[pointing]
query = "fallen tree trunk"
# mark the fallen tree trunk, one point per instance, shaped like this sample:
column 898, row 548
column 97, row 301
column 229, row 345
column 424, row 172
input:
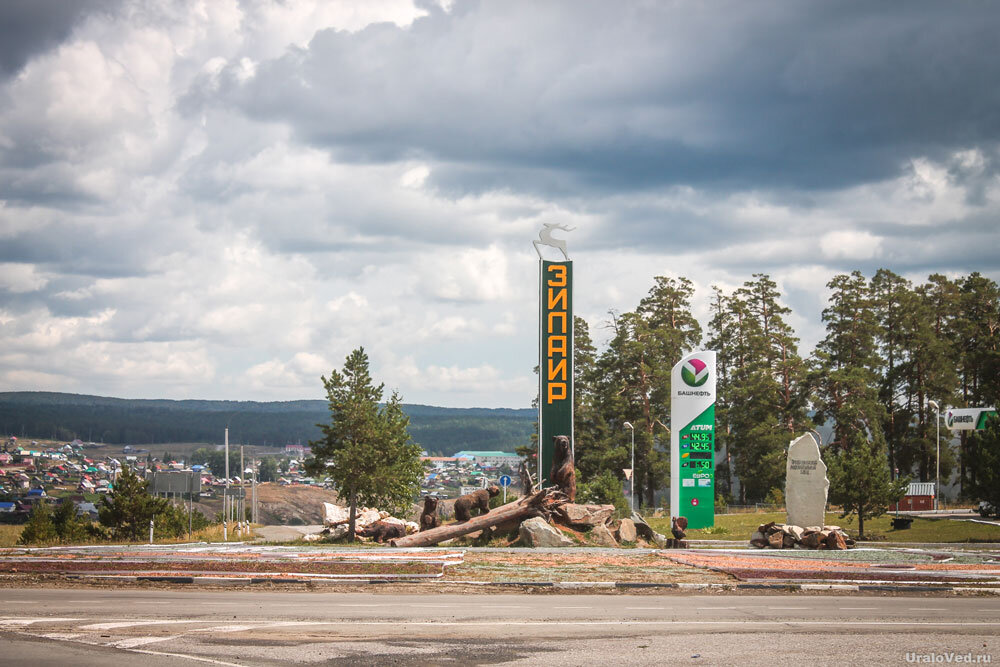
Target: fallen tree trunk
column 541, row 503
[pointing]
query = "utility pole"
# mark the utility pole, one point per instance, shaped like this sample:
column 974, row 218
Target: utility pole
column 243, row 493
column 937, row 474
column 225, row 498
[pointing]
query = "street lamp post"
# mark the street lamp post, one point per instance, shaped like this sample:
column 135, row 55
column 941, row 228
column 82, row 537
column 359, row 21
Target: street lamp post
column 631, row 477
column 937, row 474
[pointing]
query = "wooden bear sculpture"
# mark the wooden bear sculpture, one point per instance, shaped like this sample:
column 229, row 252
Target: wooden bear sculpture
column 429, row 518
column 383, row 531
column 481, row 499
column 678, row 526
column 563, row 472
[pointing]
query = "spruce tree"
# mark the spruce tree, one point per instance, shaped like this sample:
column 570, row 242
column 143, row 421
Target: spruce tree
column 366, row 449
column 860, row 481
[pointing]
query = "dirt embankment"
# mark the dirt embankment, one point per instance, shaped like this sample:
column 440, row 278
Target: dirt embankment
column 292, row 505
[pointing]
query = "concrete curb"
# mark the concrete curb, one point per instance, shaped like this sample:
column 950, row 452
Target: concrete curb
column 559, row 585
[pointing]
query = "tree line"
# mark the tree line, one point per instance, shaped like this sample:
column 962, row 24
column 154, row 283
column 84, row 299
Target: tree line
column 60, row 416
column 891, row 346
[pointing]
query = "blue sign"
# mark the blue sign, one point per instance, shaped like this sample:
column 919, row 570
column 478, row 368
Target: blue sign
column 505, row 480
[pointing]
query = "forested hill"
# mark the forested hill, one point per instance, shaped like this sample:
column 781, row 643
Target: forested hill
column 126, row 421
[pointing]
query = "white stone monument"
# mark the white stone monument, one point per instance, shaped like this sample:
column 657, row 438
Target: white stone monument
column 806, row 485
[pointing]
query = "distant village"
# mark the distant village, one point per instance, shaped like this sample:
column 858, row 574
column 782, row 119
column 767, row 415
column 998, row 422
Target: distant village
column 32, row 472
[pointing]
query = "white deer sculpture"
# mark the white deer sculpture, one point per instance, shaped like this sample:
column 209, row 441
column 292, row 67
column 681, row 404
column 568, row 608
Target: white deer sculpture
column 545, row 238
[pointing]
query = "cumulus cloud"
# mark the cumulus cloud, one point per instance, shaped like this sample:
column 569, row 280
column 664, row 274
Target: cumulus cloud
column 221, row 200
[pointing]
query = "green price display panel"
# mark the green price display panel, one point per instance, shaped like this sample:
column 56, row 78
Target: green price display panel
column 697, row 471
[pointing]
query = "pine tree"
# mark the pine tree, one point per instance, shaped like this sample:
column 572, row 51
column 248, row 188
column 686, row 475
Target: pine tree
column 761, row 384
column 596, row 449
column 986, row 485
column 721, row 340
column 891, row 296
column 843, row 374
column 366, row 449
column 634, row 376
column 40, row 528
column 67, row 526
column 846, row 384
column 978, row 344
column 129, row 508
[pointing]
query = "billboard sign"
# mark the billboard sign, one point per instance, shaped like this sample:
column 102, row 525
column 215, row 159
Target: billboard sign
column 173, row 482
column 692, row 439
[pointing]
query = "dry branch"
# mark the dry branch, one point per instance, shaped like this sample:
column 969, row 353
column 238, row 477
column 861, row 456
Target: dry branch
column 541, row 503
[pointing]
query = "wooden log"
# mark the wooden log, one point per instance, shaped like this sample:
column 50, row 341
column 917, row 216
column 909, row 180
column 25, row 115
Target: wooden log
column 541, row 503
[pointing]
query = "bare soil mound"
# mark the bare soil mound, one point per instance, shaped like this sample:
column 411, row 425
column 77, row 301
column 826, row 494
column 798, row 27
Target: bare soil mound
column 293, row 505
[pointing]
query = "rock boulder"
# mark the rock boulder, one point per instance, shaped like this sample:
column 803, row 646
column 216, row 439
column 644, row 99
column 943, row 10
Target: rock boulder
column 586, row 515
column 601, row 536
column 626, row 531
column 537, row 532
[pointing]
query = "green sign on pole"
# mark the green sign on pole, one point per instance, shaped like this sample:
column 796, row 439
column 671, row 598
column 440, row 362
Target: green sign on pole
column 555, row 365
column 692, row 439
column 968, row 419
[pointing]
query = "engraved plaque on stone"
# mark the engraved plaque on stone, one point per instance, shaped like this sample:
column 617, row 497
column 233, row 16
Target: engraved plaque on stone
column 806, row 485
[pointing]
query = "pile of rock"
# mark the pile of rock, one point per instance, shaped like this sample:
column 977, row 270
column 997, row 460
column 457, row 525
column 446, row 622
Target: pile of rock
column 594, row 520
column 336, row 519
column 786, row 536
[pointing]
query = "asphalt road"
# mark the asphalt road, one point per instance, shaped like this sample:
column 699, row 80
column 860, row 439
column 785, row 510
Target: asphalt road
column 99, row 627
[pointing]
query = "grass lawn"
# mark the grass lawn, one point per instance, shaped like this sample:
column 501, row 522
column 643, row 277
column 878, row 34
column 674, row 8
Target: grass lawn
column 9, row 535
column 739, row 527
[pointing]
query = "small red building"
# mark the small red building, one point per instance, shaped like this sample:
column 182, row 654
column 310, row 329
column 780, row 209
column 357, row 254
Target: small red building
column 919, row 498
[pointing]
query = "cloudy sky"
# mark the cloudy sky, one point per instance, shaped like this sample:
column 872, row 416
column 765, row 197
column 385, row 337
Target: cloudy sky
column 220, row 199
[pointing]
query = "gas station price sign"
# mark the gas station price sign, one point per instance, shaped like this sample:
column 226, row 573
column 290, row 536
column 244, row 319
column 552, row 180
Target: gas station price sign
column 697, row 468
column 692, row 442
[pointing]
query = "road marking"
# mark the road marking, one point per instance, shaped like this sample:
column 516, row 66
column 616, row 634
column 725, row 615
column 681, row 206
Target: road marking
column 227, row 628
column 927, row 609
column 65, row 636
column 187, row 657
column 432, row 606
column 502, row 606
column 140, row 641
column 798, row 608
column 640, row 608
column 29, row 621
column 572, row 607
column 857, row 608
column 131, row 624
column 714, row 608
column 778, row 623
column 22, row 602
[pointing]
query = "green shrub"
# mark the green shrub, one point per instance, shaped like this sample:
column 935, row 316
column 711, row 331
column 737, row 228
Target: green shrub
column 775, row 497
column 603, row 489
